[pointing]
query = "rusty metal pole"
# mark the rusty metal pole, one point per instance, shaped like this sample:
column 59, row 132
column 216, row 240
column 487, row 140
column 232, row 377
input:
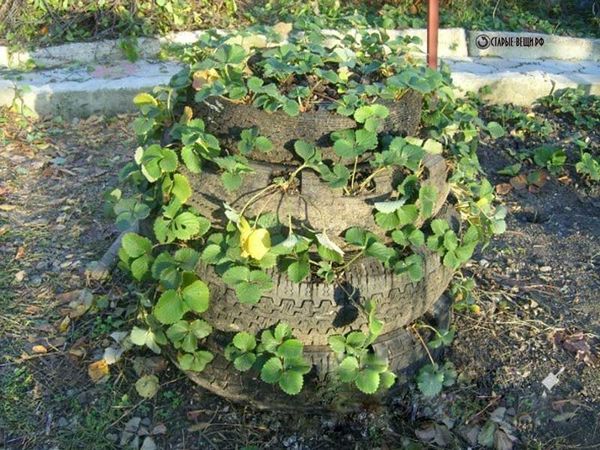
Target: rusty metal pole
column 433, row 24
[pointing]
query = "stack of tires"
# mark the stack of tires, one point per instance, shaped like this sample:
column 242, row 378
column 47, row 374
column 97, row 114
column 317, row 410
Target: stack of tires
column 316, row 310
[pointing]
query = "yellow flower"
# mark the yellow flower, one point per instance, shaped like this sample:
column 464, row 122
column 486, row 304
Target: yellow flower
column 254, row 242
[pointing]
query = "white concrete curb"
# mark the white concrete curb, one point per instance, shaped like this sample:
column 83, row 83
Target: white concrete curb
column 110, row 89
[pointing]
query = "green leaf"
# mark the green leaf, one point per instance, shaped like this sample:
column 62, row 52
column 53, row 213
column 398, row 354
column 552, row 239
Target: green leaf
column 338, row 178
column 389, row 207
column 375, row 110
column 451, row 260
column 178, row 331
column 248, row 293
column 140, row 266
column 291, row 382
column 305, row 150
column 244, row 362
column 196, row 296
column 511, row 171
column 212, row 253
column 236, row 275
column 356, row 340
column 439, row 226
column 450, row 240
column 191, row 159
column 348, row 369
column 185, row 226
column 147, row 386
column 282, row 331
column 254, row 84
column 169, row 308
column 374, row 362
column 200, row 328
column 387, row 221
column 356, row 236
column 380, row 251
column 427, row 198
column 289, row 349
column 231, row 180
column 433, row 147
column 366, row 140
column 263, row 144
column 337, row 343
column 148, row 338
column 430, row 381
column 144, row 98
column 181, row 188
column 367, row 381
column 244, row 341
column 291, row 108
column 495, row 130
column 136, row 245
column 442, row 338
column 344, row 148
column 196, row 361
column 387, row 379
column 298, row 270
column 407, row 214
column 271, row 370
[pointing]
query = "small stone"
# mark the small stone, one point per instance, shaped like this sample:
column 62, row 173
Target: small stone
column 545, row 269
column 484, row 263
column 20, row 276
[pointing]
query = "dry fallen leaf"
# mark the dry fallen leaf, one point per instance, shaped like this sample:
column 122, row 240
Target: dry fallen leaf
column 98, row 371
column 160, row 428
column 79, row 301
column 519, row 182
column 565, row 179
column 20, row 252
column 577, row 343
column 503, row 188
column 63, row 325
column 434, row 432
column 39, row 349
column 503, row 440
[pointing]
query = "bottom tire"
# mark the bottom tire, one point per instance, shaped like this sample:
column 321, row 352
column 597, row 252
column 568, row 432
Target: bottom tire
column 321, row 390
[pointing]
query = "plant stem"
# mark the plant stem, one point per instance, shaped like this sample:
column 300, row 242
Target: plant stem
column 424, row 345
column 257, row 196
column 349, row 263
column 354, row 173
column 424, row 325
column 370, row 177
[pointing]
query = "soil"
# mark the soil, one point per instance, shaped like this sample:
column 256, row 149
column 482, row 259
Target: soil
column 537, row 287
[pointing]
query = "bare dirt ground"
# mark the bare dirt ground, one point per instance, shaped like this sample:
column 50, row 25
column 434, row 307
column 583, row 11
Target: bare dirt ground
column 538, row 289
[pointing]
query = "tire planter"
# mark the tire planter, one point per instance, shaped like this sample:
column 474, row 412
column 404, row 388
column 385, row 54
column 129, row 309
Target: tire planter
column 314, row 204
column 314, row 310
column 403, row 349
column 226, row 119
column 318, row 310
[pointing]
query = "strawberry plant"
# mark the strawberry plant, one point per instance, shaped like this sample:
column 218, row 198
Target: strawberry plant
column 358, row 363
column 589, row 166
